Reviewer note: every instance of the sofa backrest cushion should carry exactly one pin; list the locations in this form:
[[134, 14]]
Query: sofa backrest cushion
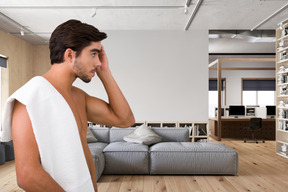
[[172, 134], [101, 133], [118, 134], [167, 134]]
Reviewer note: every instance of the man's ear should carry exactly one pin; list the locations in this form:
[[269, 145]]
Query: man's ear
[[69, 55]]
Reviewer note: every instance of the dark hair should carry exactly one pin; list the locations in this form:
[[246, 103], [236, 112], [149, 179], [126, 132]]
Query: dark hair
[[72, 34]]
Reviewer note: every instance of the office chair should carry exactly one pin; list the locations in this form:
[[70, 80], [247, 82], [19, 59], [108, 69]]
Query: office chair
[[255, 125]]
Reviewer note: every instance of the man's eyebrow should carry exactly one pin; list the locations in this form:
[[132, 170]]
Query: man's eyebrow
[[95, 50]]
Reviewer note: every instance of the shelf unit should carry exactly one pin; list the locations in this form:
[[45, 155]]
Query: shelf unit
[[139, 123], [198, 131], [154, 124], [282, 94]]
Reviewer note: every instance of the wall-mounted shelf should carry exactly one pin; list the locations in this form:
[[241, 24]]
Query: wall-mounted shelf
[[283, 38], [283, 131], [281, 123], [280, 84], [283, 108], [284, 72], [282, 49], [282, 119], [282, 61]]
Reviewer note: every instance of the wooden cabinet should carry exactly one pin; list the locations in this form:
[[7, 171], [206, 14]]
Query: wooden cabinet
[[282, 91], [235, 128]]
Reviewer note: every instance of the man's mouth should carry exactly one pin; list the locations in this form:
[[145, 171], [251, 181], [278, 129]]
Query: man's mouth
[[94, 70]]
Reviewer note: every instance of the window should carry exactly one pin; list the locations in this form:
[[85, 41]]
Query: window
[[258, 92], [3, 63], [213, 95]]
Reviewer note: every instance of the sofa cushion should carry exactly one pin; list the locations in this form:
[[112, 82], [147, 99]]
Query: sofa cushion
[[98, 157], [90, 136], [118, 134], [172, 134], [126, 158], [101, 133], [143, 135], [97, 148], [193, 158], [124, 146]]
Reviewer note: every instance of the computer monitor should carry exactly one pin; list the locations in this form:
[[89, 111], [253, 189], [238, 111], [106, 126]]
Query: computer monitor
[[236, 110], [271, 110]]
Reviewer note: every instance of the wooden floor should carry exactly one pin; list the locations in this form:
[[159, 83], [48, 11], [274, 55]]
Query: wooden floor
[[260, 169]]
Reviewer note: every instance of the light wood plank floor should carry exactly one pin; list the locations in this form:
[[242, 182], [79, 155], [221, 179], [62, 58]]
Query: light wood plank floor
[[260, 169]]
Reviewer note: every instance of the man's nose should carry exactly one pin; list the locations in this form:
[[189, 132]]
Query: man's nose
[[98, 63]]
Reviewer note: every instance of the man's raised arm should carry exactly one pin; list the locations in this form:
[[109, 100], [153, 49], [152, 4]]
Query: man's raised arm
[[115, 113]]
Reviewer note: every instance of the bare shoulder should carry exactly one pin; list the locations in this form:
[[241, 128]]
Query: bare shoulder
[[79, 92]]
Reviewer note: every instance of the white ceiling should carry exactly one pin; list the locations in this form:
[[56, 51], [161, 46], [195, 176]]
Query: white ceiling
[[39, 18]]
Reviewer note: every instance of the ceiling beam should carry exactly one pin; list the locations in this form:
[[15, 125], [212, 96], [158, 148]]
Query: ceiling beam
[[19, 26], [188, 2], [265, 20], [95, 6], [193, 14]]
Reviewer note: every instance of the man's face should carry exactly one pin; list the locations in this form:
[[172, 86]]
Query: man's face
[[86, 63]]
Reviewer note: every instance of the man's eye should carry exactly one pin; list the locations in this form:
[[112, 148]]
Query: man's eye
[[93, 54]]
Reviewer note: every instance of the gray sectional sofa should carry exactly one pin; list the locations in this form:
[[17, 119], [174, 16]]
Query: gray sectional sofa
[[173, 155], [6, 152]]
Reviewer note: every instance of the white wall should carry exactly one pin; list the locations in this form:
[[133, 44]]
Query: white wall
[[163, 74]]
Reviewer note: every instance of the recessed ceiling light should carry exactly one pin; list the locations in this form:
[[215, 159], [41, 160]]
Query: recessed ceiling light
[[21, 32]]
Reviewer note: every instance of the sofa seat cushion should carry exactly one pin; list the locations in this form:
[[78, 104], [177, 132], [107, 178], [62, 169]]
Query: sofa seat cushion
[[193, 158], [125, 146], [98, 157], [97, 148], [126, 158]]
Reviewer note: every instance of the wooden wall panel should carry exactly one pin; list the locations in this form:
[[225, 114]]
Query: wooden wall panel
[[24, 62]]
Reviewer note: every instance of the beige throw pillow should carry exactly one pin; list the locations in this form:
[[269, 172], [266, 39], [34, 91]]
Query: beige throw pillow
[[143, 135], [90, 136]]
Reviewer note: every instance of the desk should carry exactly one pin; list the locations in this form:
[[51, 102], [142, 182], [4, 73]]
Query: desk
[[234, 128]]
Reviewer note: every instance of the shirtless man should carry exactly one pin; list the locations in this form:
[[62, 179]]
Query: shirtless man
[[75, 52]]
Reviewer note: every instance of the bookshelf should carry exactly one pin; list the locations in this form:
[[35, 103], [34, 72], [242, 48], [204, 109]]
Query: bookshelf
[[154, 124], [282, 90], [198, 131], [139, 123], [169, 124]]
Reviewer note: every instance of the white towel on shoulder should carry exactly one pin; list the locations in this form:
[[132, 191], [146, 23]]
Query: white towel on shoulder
[[56, 133]]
